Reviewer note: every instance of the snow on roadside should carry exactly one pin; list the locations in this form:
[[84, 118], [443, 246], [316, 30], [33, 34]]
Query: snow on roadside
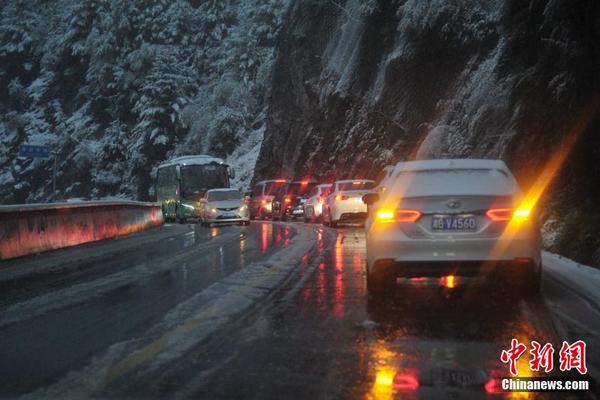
[[582, 279]]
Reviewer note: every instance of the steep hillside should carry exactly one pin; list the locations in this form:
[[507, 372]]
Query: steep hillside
[[361, 84], [115, 87]]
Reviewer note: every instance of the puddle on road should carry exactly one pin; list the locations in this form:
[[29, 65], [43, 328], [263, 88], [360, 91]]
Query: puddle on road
[[429, 344]]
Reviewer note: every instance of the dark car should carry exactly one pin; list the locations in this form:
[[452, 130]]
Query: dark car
[[288, 201], [261, 198]]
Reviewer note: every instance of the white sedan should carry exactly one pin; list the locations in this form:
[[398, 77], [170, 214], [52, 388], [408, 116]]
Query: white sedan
[[344, 202], [452, 222], [223, 206], [313, 206]]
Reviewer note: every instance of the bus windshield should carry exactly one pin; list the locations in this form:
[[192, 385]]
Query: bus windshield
[[196, 179]]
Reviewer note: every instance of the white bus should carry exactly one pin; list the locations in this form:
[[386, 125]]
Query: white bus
[[182, 182]]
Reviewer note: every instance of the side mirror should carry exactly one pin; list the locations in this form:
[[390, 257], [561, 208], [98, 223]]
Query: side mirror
[[370, 198]]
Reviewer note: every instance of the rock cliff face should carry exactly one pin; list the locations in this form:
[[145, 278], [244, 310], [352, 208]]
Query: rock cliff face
[[361, 84]]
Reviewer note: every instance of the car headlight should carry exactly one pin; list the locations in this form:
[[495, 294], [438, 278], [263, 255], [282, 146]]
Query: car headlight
[[213, 210], [243, 208]]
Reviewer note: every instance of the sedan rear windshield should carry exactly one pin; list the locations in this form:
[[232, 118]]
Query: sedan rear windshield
[[356, 185], [299, 189], [453, 182], [271, 188]]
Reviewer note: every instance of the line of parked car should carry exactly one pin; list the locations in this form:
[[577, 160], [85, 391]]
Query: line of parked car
[[282, 200]]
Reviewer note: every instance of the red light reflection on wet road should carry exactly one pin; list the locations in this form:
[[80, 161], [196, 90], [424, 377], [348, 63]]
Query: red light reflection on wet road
[[266, 237]]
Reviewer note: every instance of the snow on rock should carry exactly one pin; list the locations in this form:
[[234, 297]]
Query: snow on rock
[[118, 87], [582, 279]]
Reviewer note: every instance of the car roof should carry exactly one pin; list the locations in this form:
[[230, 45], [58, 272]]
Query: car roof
[[453, 163], [222, 190], [272, 180], [192, 160], [354, 180]]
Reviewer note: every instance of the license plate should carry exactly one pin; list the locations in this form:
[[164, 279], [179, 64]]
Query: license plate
[[465, 224], [229, 215]]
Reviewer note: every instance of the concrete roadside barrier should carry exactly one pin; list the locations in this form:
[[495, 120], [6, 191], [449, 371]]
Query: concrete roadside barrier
[[34, 228]]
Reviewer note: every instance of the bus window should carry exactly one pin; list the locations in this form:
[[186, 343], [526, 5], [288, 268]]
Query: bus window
[[197, 179]]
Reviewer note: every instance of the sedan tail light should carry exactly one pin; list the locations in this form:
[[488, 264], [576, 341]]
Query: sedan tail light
[[506, 214], [384, 215], [406, 382]]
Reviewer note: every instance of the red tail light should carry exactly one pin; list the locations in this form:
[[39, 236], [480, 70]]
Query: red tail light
[[406, 382], [287, 200], [499, 214], [506, 214], [408, 215], [385, 215], [341, 197]]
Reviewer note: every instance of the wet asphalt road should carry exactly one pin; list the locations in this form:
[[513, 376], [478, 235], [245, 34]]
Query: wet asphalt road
[[315, 336]]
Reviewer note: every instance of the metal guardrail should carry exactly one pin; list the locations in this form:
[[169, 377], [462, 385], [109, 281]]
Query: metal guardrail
[[33, 228]]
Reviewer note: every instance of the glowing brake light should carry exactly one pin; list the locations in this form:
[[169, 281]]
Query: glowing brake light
[[406, 382], [304, 183], [408, 215], [287, 200], [522, 213], [357, 183], [506, 214], [341, 197], [264, 202], [385, 215], [280, 180]]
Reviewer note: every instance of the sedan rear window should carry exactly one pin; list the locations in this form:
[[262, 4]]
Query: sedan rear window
[[453, 182]]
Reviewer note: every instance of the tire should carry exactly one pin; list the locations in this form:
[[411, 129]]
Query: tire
[[326, 220]]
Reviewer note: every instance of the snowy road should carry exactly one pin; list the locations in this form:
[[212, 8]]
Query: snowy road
[[265, 311]]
